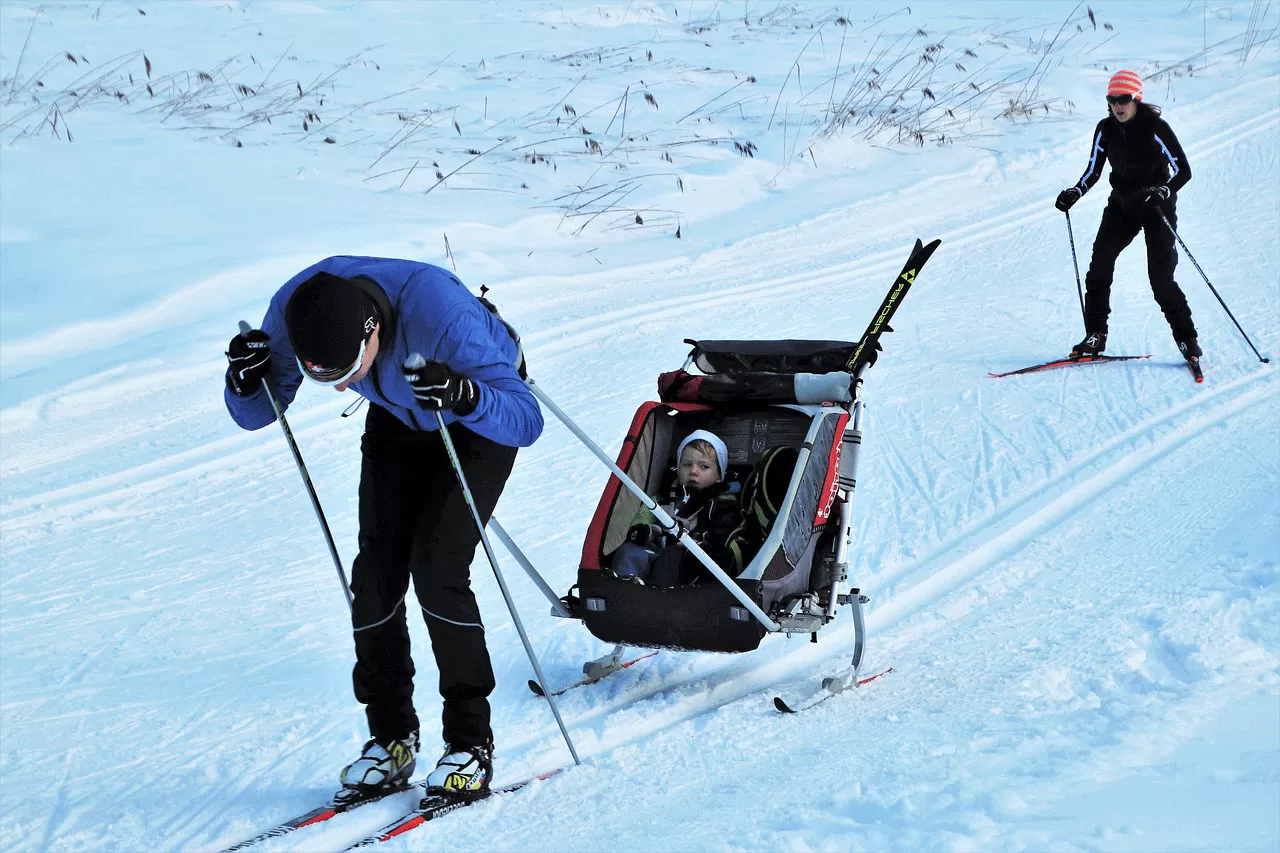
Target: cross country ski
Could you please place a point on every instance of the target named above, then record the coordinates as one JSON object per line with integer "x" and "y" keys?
{"x": 1067, "y": 362}
{"x": 439, "y": 805}
{"x": 338, "y": 805}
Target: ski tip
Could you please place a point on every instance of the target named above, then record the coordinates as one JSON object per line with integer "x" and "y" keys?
{"x": 536, "y": 688}
{"x": 783, "y": 707}
{"x": 871, "y": 678}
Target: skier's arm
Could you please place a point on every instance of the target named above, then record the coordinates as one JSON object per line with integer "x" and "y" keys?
{"x": 1179, "y": 168}
{"x": 1097, "y": 159}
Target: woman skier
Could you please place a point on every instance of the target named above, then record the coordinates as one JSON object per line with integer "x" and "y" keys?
{"x": 1148, "y": 167}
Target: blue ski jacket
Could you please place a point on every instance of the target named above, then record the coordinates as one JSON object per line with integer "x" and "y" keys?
{"x": 427, "y": 311}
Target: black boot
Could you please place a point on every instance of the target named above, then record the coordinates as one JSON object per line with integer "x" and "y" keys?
{"x": 1191, "y": 352}
{"x": 1092, "y": 345}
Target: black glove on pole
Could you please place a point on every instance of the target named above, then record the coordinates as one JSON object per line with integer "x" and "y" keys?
{"x": 1211, "y": 287}
{"x": 248, "y": 361}
{"x": 1067, "y": 197}
{"x": 415, "y": 362}
{"x": 246, "y": 332}
{"x": 436, "y": 387}
{"x": 1155, "y": 196}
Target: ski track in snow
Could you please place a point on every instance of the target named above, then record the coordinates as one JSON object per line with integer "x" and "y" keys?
{"x": 965, "y": 540}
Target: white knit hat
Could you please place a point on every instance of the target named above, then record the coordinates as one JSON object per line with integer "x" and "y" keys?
{"x": 722, "y": 452}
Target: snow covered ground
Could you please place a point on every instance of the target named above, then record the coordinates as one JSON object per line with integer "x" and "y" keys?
{"x": 1075, "y": 575}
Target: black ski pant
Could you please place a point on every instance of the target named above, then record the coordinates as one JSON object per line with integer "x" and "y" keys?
{"x": 414, "y": 523}
{"x": 1121, "y": 222}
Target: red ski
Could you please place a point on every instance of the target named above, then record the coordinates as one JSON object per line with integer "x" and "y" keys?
{"x": 332, "y": 809}
{"x": 439, "y": 805}
{"x": 1067, "y": 362}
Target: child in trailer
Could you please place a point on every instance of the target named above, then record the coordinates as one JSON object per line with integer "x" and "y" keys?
{"x": 707, "y": 506}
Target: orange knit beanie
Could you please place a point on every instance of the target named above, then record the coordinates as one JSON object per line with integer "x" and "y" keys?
{"x": 1125, "y": 83}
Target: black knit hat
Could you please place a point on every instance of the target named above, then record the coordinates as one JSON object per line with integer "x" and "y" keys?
{"x": 328, "y": 318}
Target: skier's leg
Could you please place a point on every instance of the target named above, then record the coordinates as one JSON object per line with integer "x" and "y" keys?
{"x": 391, "y": 498}
{"x": 1114, "y": 234}
{"x": 1162, "y": 258}
{"x": 444, "y": 545}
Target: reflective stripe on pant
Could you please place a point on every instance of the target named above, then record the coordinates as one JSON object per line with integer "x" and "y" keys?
{"x": 415, "y": 523}
{"x": 1119, "y": 226}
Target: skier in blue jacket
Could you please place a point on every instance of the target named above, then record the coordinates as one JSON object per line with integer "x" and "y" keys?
{"x": 353, "y": 322}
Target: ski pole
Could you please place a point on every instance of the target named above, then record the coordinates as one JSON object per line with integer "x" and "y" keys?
{"x": 245, "y": 328}
{"x": 1212, "y": 288}
{"x": 417, "y": 360}
{"x": 1072, "y": 240}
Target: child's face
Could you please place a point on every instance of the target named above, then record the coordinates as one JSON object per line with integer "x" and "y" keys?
{"x": 698, "y": 470}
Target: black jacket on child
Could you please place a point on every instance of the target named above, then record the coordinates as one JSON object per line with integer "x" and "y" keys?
{"x": 710, "y": 515}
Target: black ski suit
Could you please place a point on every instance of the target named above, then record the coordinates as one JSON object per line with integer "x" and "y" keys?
{"x": 1143, "y": 153}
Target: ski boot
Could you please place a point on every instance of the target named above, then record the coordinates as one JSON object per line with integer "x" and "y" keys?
{"x": 463, "y": 770}
{"x": 1092, "y": 346}
{"x": 382, "y": 765}
{"x": 1191, "y": 352}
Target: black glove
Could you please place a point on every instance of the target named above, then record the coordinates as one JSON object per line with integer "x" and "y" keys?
{"x": 1067, "y": 197}
{"x": 1155, "y": 196}
{"x": 645, "y": 535}
{"x": 249, "y": 357}
{"x": 437, "y": 387}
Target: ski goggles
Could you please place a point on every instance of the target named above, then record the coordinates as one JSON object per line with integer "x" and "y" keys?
{"x": 1119, "y": 100}
{"x": 333, "y": 376}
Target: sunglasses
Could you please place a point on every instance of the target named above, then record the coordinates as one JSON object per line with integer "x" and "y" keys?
{"x": 327, "y": 376}
{"x": 1119, "y": 100}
